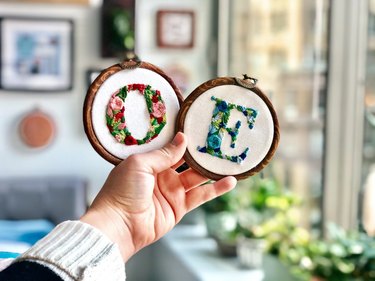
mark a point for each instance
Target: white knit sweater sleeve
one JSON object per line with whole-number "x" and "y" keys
{"x": 77, "y": 251}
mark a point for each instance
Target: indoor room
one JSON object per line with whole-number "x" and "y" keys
{"x": 272, "y": 179}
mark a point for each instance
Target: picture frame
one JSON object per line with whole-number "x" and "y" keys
{"x": 74, "y": 2}
{"x": 36, "y": 54}
{"x": 117, "y": 28}
{"x": 175, "y": 29}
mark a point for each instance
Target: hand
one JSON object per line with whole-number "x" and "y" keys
{"x": 144, "y": 197}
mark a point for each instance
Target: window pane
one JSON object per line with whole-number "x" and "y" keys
{"x": 367, "y": 209}
{"x": 284, "y": 44}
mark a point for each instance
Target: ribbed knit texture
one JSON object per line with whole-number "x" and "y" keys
{"x": 78, "y": 251}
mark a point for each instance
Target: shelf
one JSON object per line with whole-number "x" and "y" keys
{"x": 187, "y": 254}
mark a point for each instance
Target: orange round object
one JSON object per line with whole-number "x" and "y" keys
{"x": 37, "y": 129}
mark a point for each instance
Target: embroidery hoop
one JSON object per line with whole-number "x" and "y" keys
{"x": 131, "y": 62}
{"x": 249, "y": 84}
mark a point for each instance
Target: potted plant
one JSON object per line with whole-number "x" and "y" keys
{"x": 266, "y": 221}
{"x": 344, "y": 256}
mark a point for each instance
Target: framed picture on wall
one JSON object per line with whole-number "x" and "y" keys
{"x": 117, "y": 28}
{"x": 175, "y": 29}
{"x": 79, "y": 2}
{"x": 36, "y": 54}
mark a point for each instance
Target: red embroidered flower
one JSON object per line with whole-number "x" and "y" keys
{"x": 160, "y": 119}
{"x": 155, "y": 99}
{"x": 139, "y": 87}
{"x": 157, "y": 92}
{"x": 119, "y": 115}
{"x": 129, "y": 140}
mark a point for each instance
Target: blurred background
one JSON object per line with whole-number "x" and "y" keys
{"x": 315, "y": 59}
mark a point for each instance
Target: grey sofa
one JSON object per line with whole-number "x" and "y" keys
{"x": 53, "y": 198}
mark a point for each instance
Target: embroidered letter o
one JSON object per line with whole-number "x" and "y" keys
{"x": 115, "y": 115}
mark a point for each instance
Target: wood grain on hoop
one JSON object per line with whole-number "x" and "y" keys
{"x": 221, "y": 82}
{"x": 90, "y": 97}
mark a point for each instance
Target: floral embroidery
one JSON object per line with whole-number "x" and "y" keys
{"x": 218, "y": 127}
{"x": 115, "y": 114}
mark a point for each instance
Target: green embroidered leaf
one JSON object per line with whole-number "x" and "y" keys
{"x": 108, "y": 119}
{"x": 158, "y": 130}
{"x": 123, "y": 93}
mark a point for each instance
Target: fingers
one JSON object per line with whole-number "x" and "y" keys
{"x": 159, "y": 160}
{"x": 191, "y": 179}
{"x": 197, "y": 196}
{"x": 178, "y": 164}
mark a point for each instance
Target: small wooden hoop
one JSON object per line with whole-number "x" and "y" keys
{"x": 220, "y": 82}
{"x": 93, "y": 89}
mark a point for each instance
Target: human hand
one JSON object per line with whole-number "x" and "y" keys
{"x": 144, "y": 197}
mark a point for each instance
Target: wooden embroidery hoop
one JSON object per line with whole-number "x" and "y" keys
{"x": 248, "y": 83}
{"x": 131, "y": 62}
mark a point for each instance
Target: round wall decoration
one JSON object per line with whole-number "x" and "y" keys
{"x": 37, "y": 129}
{"x": 130, "y": 108}
{"x": 231, "y": 126}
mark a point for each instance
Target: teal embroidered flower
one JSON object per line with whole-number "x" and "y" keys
{"x": 214, "y": 142}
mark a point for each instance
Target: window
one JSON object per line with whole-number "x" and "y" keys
{"x": 289, "y": 57}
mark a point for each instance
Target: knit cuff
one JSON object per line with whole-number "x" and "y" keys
{"x": 79, "y": 250}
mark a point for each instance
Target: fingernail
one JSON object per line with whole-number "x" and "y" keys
{"x": 177, "y": 139}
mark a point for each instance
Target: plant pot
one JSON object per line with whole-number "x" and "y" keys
{"x": 227, "y": 248}
{"x": 250, "y": 252}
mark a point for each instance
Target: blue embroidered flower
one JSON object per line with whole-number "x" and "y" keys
{"x": 222, "y": 106}
{"x": 214, "y": 141}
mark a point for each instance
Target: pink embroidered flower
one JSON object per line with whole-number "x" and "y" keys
{"x": 109, "y": 112}
{"x": 116, "y": 103}
{"x": 158, "y": 109}
{"x": 121, "y": 126}
{"x": 119, "y": 138}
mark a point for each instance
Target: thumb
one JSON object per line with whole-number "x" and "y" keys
{"x": 163, "y": 158}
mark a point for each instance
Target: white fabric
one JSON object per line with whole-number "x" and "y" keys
{"x": 4, "y": 263}
{"x": 136, "y": 114}
{"x": 78, "y": 251}
{"x": 258, "y": 139}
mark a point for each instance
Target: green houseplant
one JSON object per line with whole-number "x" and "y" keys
{"x": 344, "y": 256}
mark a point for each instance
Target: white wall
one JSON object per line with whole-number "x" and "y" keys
{"x": 71, "y": 153}
{"x": 198, "y": 60}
